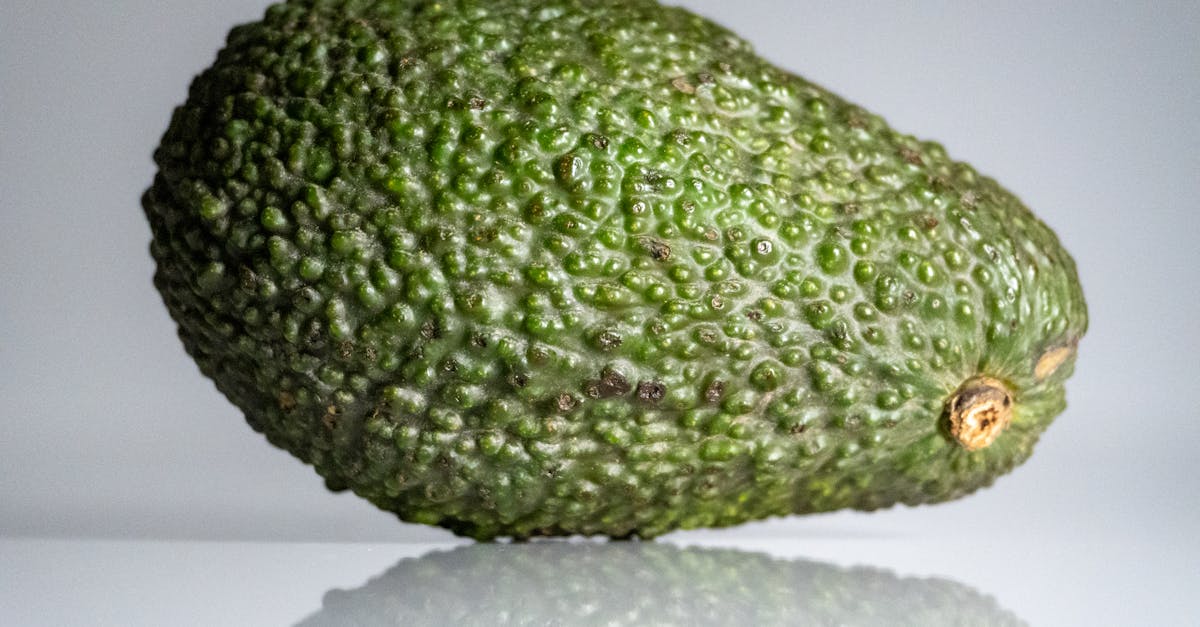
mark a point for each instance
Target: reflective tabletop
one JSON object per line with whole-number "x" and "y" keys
{"x": 696, "y": 578}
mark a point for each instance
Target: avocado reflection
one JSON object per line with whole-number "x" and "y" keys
{"x": 644, "y": 583}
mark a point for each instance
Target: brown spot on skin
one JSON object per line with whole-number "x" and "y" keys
{"x": 518, "y": 380}
{"x": 430, "y": 331}
{"x": 614, "y": 381}
{"x": 346, "y": 350}
{"x": 538, "y": 355}
{"x": 567, "y": 168}
{"x": 610, "y": 384}
{"x": 477, "y": 103}
{"x": 651, "y": 391}
{"x": 911, "y": 156}
{"x": 313, "y": 336}
{"x": 249, "y": 279}
{"x": 566, "y": 402}
{"x": 929, "y": 222}
{"x": 608, "y": 340}
{"x": 287, "y": 402}
{"x": 978, "y": 412}
{"x": 659, "y": 251}
{"x": 681, "y": 83}
{"x": 599, "y": 142}
{"x": 754, "y": 315}
{"x": 536, "y": 211}
{"x": 1051, "y": 360}
{"x": 330, "y": 417}
{"x": 714, "y": 391}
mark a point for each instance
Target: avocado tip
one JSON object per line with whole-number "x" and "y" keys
{"x": 979, "y": 411}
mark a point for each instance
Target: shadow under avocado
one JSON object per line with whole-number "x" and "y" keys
{"x": 644, "y": 583}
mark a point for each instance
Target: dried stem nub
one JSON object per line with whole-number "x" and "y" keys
{"x": 979, "y": 411}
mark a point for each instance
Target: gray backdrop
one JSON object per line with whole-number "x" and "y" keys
{"x": 1087, "y": 110}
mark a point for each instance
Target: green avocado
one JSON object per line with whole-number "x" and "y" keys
{"x": 521, "y": 268}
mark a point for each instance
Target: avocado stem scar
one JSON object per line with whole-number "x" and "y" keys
{"x": 979, "y": 411}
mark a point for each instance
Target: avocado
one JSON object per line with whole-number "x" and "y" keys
{"x": 647, "y": 583}
{"x": 522, "y": 268}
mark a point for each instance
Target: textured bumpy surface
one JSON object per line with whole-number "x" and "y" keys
{"x": 647, "y": 584}
{"x": 527, "y": 268}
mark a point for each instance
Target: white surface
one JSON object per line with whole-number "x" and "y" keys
{"x": 988, "y": 576}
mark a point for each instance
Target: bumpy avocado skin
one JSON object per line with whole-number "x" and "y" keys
{"x": 537, "y": 268}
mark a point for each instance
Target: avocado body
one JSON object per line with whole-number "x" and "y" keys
{"x": 524, "y": 268}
